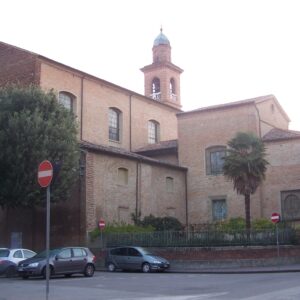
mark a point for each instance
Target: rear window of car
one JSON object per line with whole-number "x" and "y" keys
{"x": 4, "y": 252}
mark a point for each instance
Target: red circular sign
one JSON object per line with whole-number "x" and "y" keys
{"x": 45, "y": 173}
{"x": 101, "y": 224}
{"x": 275, "y": 217}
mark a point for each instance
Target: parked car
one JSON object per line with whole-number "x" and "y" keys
{"x": 9, "y": 259}
{"x": 134, "y": 258}
{"x": 62, "y": 261}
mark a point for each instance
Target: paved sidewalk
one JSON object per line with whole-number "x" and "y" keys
{"x": 240, "y": 270}
{"x": 228, "y": 270}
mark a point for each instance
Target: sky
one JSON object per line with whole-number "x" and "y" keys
{"x": 230, "y": 50}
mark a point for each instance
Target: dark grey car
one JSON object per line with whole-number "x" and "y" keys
{"x": 66, "y": 261}
{"x": 134, "y": 258}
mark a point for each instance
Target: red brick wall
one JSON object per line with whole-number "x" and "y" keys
{"x": 18, "y": 66}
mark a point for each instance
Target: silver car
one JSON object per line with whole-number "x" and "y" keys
{"x": 134, "y": 258}
{"x": 65, "y": 261}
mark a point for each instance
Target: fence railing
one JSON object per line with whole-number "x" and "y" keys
{"x": 198, "y": 238}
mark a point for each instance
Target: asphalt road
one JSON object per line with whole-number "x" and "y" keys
{"x": 164, "y": 286}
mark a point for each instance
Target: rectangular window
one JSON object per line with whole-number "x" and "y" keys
{"x": 219, "y": 209}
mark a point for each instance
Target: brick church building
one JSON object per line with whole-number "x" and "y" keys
{"x": 141, "y": 154}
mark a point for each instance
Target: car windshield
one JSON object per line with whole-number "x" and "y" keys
{"x": 43, "y": 254}
{"x": 145, "y": 252}
{"x": 4, "y": 252}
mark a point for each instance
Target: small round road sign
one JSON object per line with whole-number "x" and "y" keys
{"x": 101, "y": 224}
{"x": 275, "y": 217}
{"x": 45, "y": 173}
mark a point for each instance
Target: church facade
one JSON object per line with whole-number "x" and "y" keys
{"x": 142, "y": 155}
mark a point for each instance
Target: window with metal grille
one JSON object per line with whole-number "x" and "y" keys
{"x": 219, "y": 209}
{"x": 215, "y": 160}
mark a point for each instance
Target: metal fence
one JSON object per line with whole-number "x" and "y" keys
{"x": 198, "y": 238}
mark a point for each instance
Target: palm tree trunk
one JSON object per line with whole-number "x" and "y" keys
{"x": 247, "y": 213}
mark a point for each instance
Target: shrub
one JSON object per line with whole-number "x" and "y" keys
{"x": 120, "y": 228}
{"x": 159, "y": 224}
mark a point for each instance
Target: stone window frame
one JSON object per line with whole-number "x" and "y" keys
{"x": 63, "y": 97}
{"x": 114, "y": 124}
{"x": 209, "y": 152}
{"x": 153, "y": 132}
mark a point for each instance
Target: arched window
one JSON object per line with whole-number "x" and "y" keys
{"x": 155, "y": 89}
{"x": 114, "y": 124}
{"x": 153, "y": 132}
{"x": 215, "y": 159}
{"x": 67, "y": 100}
{"x": 169, "y": 184}
{"x": 172, "y": 90}
{"x": 122, "y": 176}
{"x": 290, "y": 201}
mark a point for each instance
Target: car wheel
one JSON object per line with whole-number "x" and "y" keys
{"x": 111, "y": 267}
{"x": 146, "y": 268}
{"x": 89, "y": 271}
{"x": 68, "y": 275}
{"x": 25, "y": 277}
{"x": 50, "y": 271}
{"x": 10, "y": 271}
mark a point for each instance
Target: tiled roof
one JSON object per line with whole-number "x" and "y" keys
{"x": 171, "y": 144}
{"x": 280, "y": 134}
{"x": 236, "y": 103}
{"x": 123, "y": 153}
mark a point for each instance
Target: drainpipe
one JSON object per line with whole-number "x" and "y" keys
{"x": 138, "y": 188}
{"x": 261, "y": 188}
{"x": 81, "y": 109}
{"x": 130, "y": 120}
{"x": 259, "y": 125}
{"x": 186, "y": 202}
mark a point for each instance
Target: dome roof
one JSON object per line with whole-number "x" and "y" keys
{"x": 161, "y": 39}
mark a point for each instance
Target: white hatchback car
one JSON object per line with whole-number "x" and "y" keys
{"x": 15, "y": 255}
{"x": 10, "y": 258}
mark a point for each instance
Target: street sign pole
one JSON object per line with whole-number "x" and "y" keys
{"x": 47, "y": 241}
{"x": 277, "y": 240}
{"x": 45, "y": 175}
{"x": 275, "y": 218}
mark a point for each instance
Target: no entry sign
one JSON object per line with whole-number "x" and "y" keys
{"x": 45, "y": 173}
{"x": 101, "y": 224}
{"x": 275, "y": 218}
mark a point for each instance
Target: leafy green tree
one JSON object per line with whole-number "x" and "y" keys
{"x": 245, "y": 165}
{"x": 34, "y": 127}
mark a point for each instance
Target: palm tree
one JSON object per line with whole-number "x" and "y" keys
{"x": 245, "y": 165}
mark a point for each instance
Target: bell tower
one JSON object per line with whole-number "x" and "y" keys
{"x": 162, "y": 77}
